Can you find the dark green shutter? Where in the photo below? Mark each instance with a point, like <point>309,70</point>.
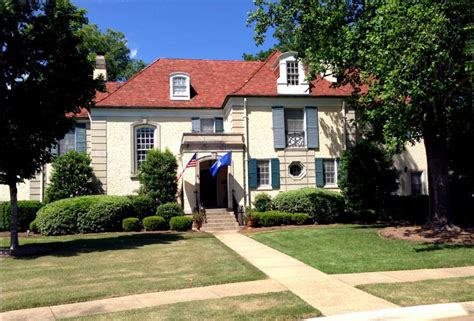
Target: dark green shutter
<point>275,173</point>
<point>319,172</point>
<point>312,128</point>
<point>219,125</point>
<point>278,115</point>
<point>196,123</point>
<point>252,173</point>
<point>80,137</point>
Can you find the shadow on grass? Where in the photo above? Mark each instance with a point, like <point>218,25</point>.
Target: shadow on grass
<point>374,225</point>
<point>86,245</point>
<point>429,247</point>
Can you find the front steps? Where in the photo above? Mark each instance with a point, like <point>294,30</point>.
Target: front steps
<point>220,219</point>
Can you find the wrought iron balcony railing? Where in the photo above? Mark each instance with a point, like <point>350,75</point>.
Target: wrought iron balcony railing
<point>295,139</point>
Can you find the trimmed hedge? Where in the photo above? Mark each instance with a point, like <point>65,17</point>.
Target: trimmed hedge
<point>26,214</point>
<point>169,210</point>
<point>181,223</point>
<point>34,226</point>
<point>96,213</point>
<point>131,224</point>
<point>154,223</point>
<point>142,206</point>
<point>323,206</point>
<point>275,218</point>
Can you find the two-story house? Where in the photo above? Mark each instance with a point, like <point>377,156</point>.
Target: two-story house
<point>283,131</point>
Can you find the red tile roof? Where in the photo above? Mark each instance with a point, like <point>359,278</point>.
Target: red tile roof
<point>212,81</point>
<point>110,87</point>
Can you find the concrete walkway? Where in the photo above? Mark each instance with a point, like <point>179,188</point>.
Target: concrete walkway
<point>145,300</point>
<point>449,311</point>
<point>404,276</point>
<point>327,294</point>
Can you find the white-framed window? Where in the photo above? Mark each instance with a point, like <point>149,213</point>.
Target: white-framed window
<point>207,125</point>
<point>179,86</point>
<point>68,143</point>
<point>294,127</point>
<point>263,173</point>
<point>292,74</point>
<point>296,170</point>
<point>416,183</point>
<point>330,172</point>
<point>144,141</point>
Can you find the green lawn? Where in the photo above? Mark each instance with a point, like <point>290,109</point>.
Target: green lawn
<point>424,292</point>
<point>271,306</point>
<point>351,249</point>
<point>85,267</point>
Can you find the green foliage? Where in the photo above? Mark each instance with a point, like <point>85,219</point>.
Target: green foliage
<point>26,214</point>
<point>120,65</point>
<point>96,213</point>
<point>322,205</point>
<point>368,177</point>
<point>105,215</point>
<point>263,202</point>
<point>34,226</point>
<point>169,210</point>
<point>154,223</point>
<point>199,217</point>
<point>131,224</point>
<point>158,176</point>
<point>181,223</point>
<point>412,59</point>
<point>72,176</point>
<point>275,218</point>
<point>262,55</point>
<point>142,206</point>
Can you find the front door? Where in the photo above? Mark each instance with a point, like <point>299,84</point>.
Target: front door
<point>213,190</point>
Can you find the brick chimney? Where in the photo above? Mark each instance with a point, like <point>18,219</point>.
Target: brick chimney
<point>100,66</point>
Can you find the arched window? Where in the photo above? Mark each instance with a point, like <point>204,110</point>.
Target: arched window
<point>179,86</point>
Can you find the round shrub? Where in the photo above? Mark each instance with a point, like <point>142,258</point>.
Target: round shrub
<point>34,226</point>
<point>26,214</point>
<point>106,215</point>
<point>181,223</point>
<point>131,224</point>
<point>169,210</point>
<point>142,206</point>
<point>263,202</point>
<point>154,223</point>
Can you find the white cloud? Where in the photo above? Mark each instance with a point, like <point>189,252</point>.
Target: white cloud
<point>133,53</point>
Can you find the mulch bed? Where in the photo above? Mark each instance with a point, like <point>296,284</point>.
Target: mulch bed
<point>427,234</point>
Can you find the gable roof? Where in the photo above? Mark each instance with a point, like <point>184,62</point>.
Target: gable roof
<point>110,87</point>
<point>212,82</point>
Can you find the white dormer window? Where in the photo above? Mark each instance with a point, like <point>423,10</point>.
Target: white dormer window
<point>292,74</point>
<point>179,86</point>
<point>291,77</point>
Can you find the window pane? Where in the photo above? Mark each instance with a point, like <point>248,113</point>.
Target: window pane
<point>68,143</point>
<point>416,183</point>
<point>329,172</point>
<point>180,86</point>
<point>294,123</point>
<point>292,73</point>
<point>207,125</point>
<point>145,140</point>
<point>263,173</point>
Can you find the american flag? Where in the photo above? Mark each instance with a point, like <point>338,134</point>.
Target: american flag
<point>191,163</point>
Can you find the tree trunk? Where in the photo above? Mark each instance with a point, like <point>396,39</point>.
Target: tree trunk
<point>13,217</point>
<point>438,180</point>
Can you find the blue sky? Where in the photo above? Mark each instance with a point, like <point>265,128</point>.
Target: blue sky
<point>205,29</point>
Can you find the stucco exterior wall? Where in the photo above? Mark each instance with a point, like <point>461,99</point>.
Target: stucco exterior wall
<point>413,159</point>
<point>23,191</point>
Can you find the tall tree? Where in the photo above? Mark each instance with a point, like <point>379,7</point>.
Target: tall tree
<point>44,74</point>
<point>120,64</point>
<point>410,55</point>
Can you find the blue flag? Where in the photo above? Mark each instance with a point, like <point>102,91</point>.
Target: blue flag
<point>225,160</point>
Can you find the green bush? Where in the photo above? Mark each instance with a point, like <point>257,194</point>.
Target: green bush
<point>169,210</point>
<point>263,202</point>
<point>181,223</point>
<point>105,215</point>
<point>158,176</point>
<point>154,223</point>
<point>323,206</point>
<point>34,226</point>
<point>142,206</point>
<point>97,213</point>
<point>26,214</point>
<point>131,224</point>
<point>72,176</point>
<point>275,218</point>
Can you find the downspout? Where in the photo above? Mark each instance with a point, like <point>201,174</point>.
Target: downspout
<point>344,131</point>
<point>247,200</point>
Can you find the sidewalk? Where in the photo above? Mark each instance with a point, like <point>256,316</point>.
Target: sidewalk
<point>325,293</point>
<point>145,300</point>
<point>354,279</point>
